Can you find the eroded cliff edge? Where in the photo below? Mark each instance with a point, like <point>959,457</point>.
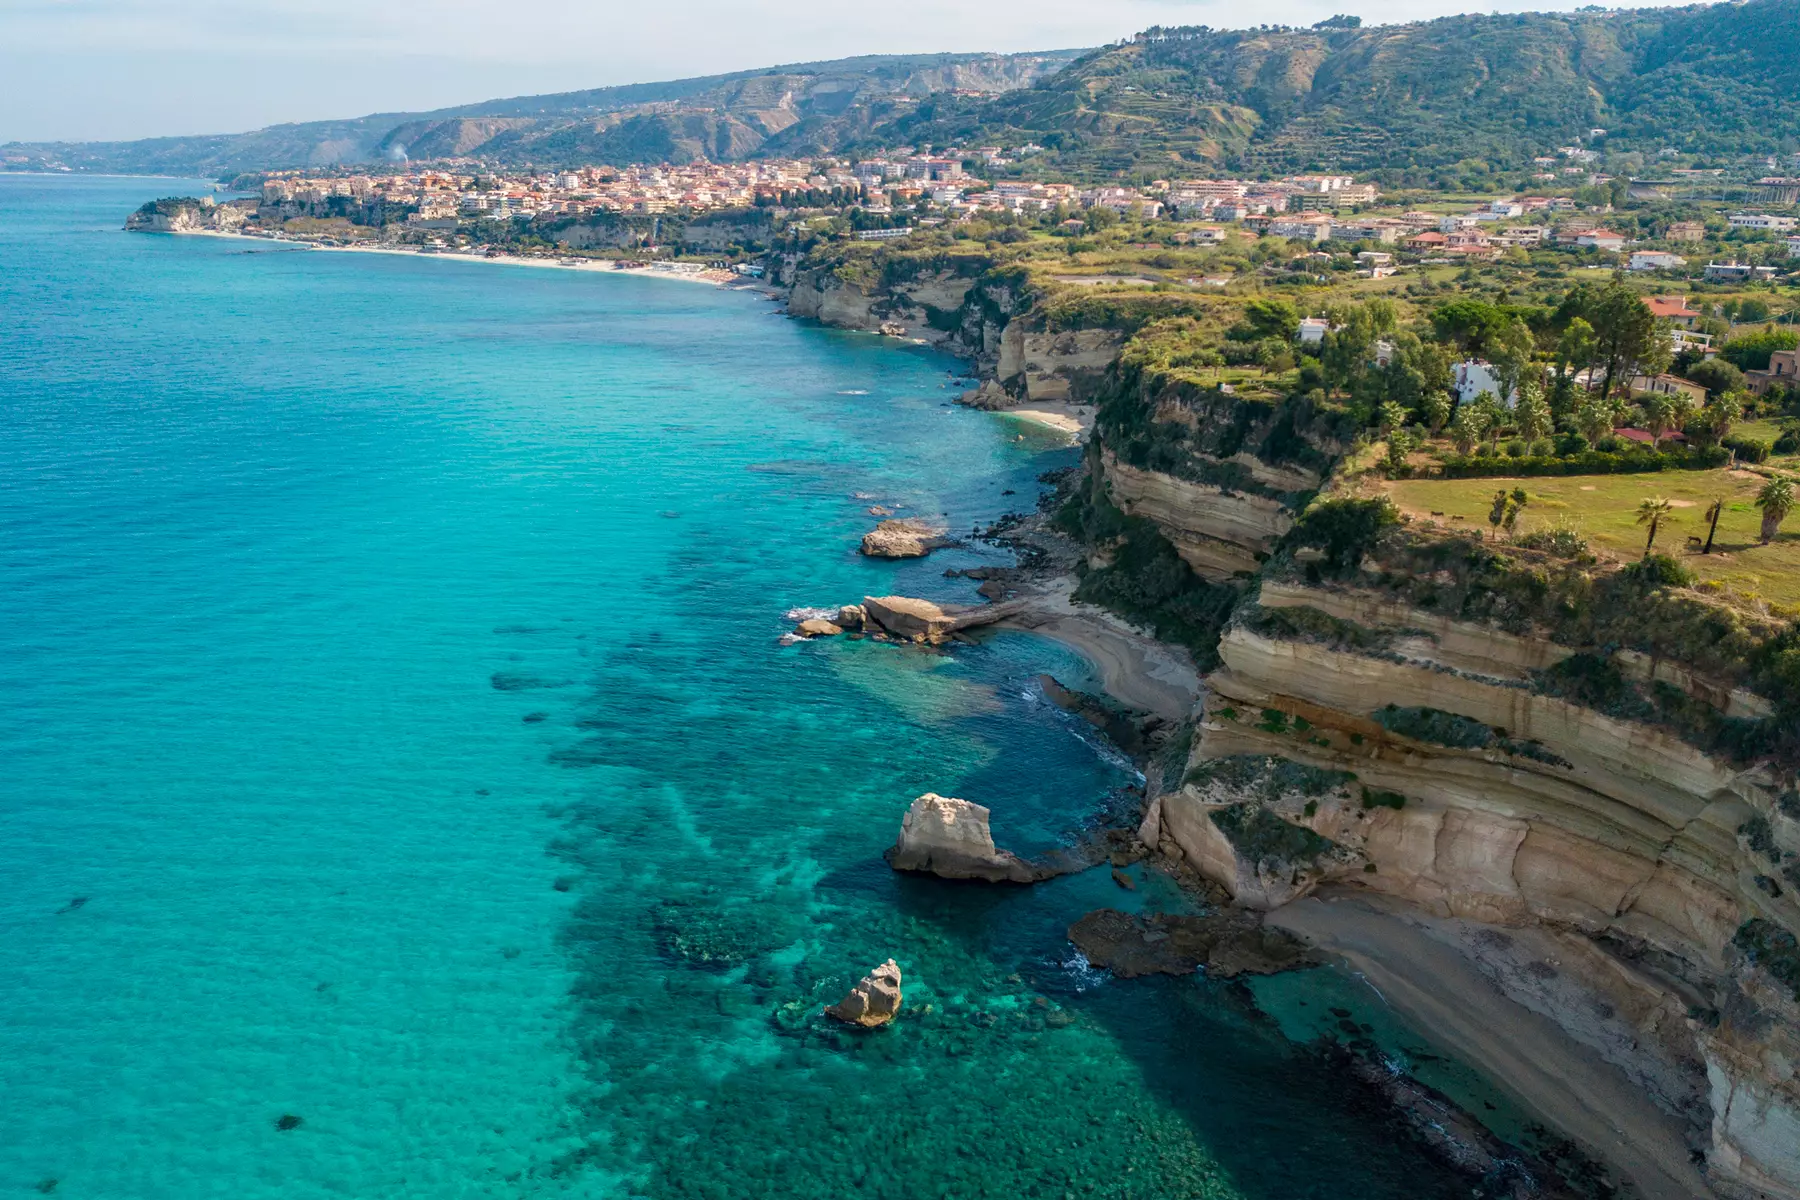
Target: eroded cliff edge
<point>1497,737</point>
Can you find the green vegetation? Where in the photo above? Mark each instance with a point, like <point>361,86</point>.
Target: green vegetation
<point>1602,511</point>
<point>1146,579</point>
<point>1772,948</point>
<point>1267,779</point>
<point>1446,103</point>
<point>1258,834</point>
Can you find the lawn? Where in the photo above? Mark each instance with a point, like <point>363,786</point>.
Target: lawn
<point>1604,509</point>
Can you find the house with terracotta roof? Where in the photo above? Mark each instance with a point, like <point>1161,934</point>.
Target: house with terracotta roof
<point>1674,310</point>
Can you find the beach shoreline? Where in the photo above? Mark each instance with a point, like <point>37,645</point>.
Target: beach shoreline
<point>1432,981</point>
<point>710,276</point>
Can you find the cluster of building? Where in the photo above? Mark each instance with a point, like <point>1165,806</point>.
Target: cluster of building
<point>445,196</point>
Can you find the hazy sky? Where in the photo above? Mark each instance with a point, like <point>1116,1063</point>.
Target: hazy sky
<point>98,69</point>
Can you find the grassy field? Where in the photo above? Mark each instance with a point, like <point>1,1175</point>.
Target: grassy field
<point>1604,509</point>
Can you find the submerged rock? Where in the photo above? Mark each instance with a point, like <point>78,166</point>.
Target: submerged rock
<point>903,537</point>
<point>949,837</point>
<point>1227,943</point>
<point>874,1001</point>
<point>1127,729</point>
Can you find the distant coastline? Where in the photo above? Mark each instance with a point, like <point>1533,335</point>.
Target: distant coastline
<point>675,271</point>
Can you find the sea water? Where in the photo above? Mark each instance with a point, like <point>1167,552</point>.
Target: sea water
<point>406,793</point>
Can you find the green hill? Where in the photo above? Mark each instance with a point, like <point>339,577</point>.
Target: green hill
<point>1431,101</point>
<point>801,108</point>
<point>1710,79</point>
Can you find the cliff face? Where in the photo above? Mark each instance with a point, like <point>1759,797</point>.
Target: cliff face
<point>186,215</point>
<point>1559,746</point>
<point>1349,736</point>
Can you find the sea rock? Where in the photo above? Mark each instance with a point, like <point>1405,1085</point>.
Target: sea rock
<point>874,1001</point>
<point>950,838</point>
<point>1227,943</point>
<point>1125,728</point>
<point>912,620</point>
<point>850,616</point>
<point>817,627</point>
<point>902,537</point>
<point>990,396</point>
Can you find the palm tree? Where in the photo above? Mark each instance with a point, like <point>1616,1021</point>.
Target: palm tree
<point>1776,501</point>
<point>1652,513</point>
<point>1713,512</point>
<point>1595,420</point>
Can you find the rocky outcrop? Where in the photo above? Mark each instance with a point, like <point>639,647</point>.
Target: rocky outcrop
<point>903,537</point>
<point>950,838</point>
<point>1218,532</point>
<point>823,297</point>
<point>872,1002</point>
<point>913,620</point>
<point>1068,365</point>
<point>1349,737</point>
<point>1226,944</point>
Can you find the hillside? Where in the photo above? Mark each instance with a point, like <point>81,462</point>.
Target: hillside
<point>1441,102</point>
<point>798,108</point>
<point>1420,96</point>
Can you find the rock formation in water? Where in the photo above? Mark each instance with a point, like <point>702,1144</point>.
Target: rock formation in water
<point>1226,943</point>
<point>903,537</point>
<point>1490,736</point>
<point>874,1001</point>
<point>949,837</point>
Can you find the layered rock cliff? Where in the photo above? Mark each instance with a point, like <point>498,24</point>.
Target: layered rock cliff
<point>1481,760</point>
<point>1487,733</point>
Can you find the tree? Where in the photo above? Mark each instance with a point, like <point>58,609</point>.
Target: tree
<point>1593,420</point>
<point>1436,409</point>
<point>1653,512</point>
<point>1717,416</point>
<point>1532,415</point>
<point>1625,333</point>
<point>1507,506</point>
<point>1470,424</point>
<point>1751,351</point>
<point>1274,318</point>
<point>1660,415</point>
<point>1716,376</point>
<point>1391,416</point>
<point>1713,512</point>
<point>1510,349</point>
<point>1776,501</point>
<point>1400,443</point>
<point>1575,349</point>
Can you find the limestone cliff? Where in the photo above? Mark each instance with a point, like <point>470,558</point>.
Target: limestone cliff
<point>1470,765</point>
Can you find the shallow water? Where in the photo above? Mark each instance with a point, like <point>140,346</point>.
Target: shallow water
<point>390,652</point>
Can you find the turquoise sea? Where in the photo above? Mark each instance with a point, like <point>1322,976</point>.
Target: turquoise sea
<point>396,737</point>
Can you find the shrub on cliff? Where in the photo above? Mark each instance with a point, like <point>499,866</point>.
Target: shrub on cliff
<point>1258,834</point>
<point>1146,581</point>
<point>1772,948</point>
<point>1343,530</point>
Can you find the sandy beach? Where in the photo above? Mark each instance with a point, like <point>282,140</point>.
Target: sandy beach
<point>686,273</point>
<point>1135,669</point>
<point>1076,420</point>
<point>1433,985</point>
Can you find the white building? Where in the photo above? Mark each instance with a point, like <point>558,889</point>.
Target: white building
<point>1655,260</point>
<point>1736,272</point>
<point>1763,221</point>
<point>1312,330</point>
<point>1473,377</point>
<point>1794,247</point>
